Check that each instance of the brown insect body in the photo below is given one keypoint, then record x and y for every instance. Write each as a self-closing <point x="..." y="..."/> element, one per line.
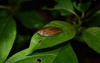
<point x="49" y="31"/>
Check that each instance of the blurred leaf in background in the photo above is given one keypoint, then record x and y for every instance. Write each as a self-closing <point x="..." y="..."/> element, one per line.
<point x="32" y="19"/>
<point x="7" y="36"/>
<point x="65" y="7"/>
<point x="82" y="6"/>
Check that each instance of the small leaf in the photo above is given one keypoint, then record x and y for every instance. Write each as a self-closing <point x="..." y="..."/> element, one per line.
<point x="82" y="7"/>
<point x="31" y="19"/>
<point x="60" y="55"/>
<point x="7" y="36"/>
<point x="65" y="5"/>
<point x="65" y="13"/>
<point x="92" y="38"/>
<point x="38" y="41"/>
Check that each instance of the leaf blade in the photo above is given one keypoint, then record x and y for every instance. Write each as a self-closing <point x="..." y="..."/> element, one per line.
<point x="31" y="19"/>
<point x="66" y="5"/>
<point x="68" y="32"/>
<point x="56" y="56"/>
<point x="7" y="36"/>
<point x="92" y="38"/>
<point x="36" y="44"/>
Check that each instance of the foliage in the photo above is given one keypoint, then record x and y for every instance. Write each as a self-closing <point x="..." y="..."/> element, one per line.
<point x="21" y="20"/>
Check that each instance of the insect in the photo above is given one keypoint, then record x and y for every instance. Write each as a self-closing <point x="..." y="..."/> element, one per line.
<point x="49" y="31"/>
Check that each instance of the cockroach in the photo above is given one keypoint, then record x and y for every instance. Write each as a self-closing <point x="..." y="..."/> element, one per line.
<point x="49" y="31"/>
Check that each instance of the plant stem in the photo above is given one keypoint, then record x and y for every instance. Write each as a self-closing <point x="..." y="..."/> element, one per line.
<point x="5" y="7"/>
<point x="79" y="20"/>
<point x="92" y="12"/>
<point x="82" y="15"/>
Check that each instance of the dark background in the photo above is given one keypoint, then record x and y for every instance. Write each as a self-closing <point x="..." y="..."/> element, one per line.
<point x="84" y="53"/>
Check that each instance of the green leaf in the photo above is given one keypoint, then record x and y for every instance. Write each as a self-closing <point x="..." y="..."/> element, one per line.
<point x="92" y="38"/>
<point x="65" y="13"/>
<point x="60" y="55"/>
<point x="31" y="19"/>
<point x="18" y="56"/>
<point x="7" y="36"/>
<point x="38" y="42"/>
<point x="82" y="7"/>
<point x="65" y="5"/>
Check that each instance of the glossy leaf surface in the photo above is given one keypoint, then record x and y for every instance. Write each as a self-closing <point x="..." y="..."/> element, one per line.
<point x="38" y="41"/>
<point x="92" y="38"/>
<point x="60" y="55"/>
